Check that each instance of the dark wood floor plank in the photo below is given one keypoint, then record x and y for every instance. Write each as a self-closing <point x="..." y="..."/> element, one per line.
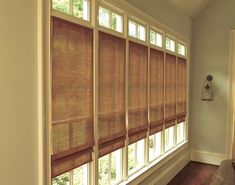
<point x="195" y="174"/>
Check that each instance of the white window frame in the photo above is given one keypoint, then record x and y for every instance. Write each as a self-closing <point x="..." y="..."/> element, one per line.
<point x="138" y="24"/>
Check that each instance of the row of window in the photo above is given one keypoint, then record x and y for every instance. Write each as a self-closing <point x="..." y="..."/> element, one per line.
<point x="114" y="21"/>
<point x="110" y="165"/>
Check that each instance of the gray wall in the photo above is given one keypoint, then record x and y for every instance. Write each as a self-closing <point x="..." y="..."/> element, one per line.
<point x="209" y="121"/>
<point x="18" y="93"/>
<point x="165" y="13"/>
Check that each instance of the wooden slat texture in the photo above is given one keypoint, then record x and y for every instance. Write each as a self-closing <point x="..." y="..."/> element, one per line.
<point x="111" y="95"/>
<point x="72" y="95"/>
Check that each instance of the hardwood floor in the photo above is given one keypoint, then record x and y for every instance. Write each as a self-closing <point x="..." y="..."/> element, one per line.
<point x="195" y="174"/>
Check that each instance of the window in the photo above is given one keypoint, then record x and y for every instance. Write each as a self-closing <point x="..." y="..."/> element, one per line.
<point x="137" y="31"/>
<point x="110" y="20"/>
<point x="155" y="146"/>
<point x="135" y="156"/>
<point x="180" y="132"/>
<point x="155" y="38"/>
<point x="169" y="138"/>
<point x="170" y="44"/>
<point x="78" y="176"/>
<point x="152" y="111"/>
<point x="181" y="49"/>
<point x="77" y="8"/>
<point x="110" y="168"/>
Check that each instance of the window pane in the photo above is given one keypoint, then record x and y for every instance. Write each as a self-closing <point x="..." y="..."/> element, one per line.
<point x="169" y="138"/>
<point x="154" y="146"/>
<point x="132" y="29"/>
<point x="167" y="43"/>
<point x="61" y="180"/>
<point x="180" y="132"/>
<point x="116" y="166"/>
<point x="117" y="22"/>
<point x="141" y="34"/>
<point x="152" y="38"/>
<point x="181" y="49"/>
<point x="80" y="175"/>
<point x="172" y="45"/>
<point x="104" y="17"/>
<point x="104" y="170"/>
<point x="135" y="156"/>
<point x="61" y="5"/>
<point x="159" y="40"/>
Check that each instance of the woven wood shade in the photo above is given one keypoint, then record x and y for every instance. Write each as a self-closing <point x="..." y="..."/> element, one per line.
<point x="156" y="91"/>
<point x="111" y="102"/>
<point x="72" y="96"/>
<point x="181" y="90"/>
<point x="170" y="90"/>
<point x="138" y="109"/>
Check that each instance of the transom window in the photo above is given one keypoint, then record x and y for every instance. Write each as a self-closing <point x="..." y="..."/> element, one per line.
<point x="181" y="49"/>
<point x="155" y="38"/>
<point x="110" y="20"/>
<point x="170" y="44"/>
<point x="77" y="8"/>
<point x="137" y="31"/>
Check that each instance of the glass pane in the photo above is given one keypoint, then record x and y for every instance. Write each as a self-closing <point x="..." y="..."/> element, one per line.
<point x="135" y="156"/>
<point x="61" y="180"/>
<point x="167" y="43"/>
<point x="172" y="45"/>
<point x="78" y="8"/>
<point x="132" y="29"/>
<point x="80" y="175"/>
<point x="104" y="170"/>
<point x="140" y="152"/>
<point x="181" y="49"/>
<point x="180" y="132"/>
<point x="104" y="17"/>
<point x="116" y="22"/>
<point x="152" y="38"/>
<point x="159" y="40"/>
<point x="61" y="5"/>
<point x="116" y="166"/>
<point x="154" y="146"/>
<point x="169" y="138"/>
<point x="131" y="157"/>
<point x="141" y="34"/>
<point x="151" y="147"/>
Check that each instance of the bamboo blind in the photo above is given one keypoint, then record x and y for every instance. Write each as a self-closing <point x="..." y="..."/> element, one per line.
<point x="138" y="109"/>
<point x="170" y="90"/>
<point x="156" y="91"/>
<point x="181" y="90"/>
<point x="72" y="96"/>
<point x="111" y="98"/>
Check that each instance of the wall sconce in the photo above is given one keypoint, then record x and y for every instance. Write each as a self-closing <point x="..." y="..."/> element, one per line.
<point x="207" y="91"/>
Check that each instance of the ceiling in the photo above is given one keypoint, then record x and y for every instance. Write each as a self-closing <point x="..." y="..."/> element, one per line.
<point x="190" y="7"/>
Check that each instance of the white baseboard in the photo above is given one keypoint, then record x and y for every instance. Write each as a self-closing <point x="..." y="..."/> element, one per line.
<point x="174" y="168"/>
<point x="207" y="157"/>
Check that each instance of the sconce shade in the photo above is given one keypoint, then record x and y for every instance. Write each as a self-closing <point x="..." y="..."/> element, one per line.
<point x="207" y="91"/>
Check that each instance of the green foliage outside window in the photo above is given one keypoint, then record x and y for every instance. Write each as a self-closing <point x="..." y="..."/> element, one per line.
<point x="61" y="180"/>
<point x="61" y="5"/>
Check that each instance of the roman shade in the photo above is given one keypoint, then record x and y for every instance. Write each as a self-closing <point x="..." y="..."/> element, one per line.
<point x="156" y="91"/>
<point x="72" y="96"/>
<point x="181" y="90"/>
<point x="111" y="93"/>
<point x="138" y="76"/>
<point x="170" y="90"/>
